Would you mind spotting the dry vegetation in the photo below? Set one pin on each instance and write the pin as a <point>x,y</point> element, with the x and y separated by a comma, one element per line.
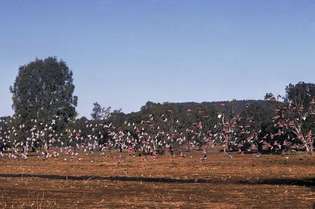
<point>243,181</point>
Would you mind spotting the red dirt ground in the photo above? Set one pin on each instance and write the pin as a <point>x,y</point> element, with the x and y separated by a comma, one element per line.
<point>243,181</point>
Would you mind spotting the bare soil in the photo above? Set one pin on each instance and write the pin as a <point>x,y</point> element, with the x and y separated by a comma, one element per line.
<point>116,180</point>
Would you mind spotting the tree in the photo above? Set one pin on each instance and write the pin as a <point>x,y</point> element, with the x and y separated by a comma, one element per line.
<point>301,100</point>
<point>290,130</point>
<point>43,90</point>
<point>100,113</point>
<point>269,97</point>
<point>301,94</point>
<point>300,128</point>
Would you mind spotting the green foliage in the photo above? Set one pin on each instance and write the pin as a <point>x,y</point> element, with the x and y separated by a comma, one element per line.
<point>44,89</point>
<point>99,112</point>
<point>301,94</point>
<point>270,97</point>
<point>191,113</point>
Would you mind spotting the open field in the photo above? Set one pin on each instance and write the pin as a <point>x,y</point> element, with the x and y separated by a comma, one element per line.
<point>122,181</point>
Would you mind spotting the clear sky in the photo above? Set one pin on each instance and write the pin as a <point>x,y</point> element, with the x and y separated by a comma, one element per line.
<point>124,53</point>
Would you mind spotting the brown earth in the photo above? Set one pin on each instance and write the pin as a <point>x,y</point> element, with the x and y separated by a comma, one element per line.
<point>121,181</point>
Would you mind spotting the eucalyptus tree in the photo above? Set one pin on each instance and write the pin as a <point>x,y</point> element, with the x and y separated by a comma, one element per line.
<point>43,92</point>
<point>44,89</point>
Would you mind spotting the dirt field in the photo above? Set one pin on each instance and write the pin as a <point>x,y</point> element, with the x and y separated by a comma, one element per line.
<point>123,181</point>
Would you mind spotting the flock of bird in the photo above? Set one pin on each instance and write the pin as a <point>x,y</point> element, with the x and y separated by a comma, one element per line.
<point>19,140</point>
<point>146,137</point>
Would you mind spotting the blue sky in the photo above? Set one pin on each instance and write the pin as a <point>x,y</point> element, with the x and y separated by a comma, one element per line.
<point>124,53</point>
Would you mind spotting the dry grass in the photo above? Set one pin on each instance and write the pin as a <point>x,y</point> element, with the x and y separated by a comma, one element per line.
<point>226,190</point>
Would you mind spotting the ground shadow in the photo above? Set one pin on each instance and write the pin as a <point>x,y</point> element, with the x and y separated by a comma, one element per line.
<point>307,182</point>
